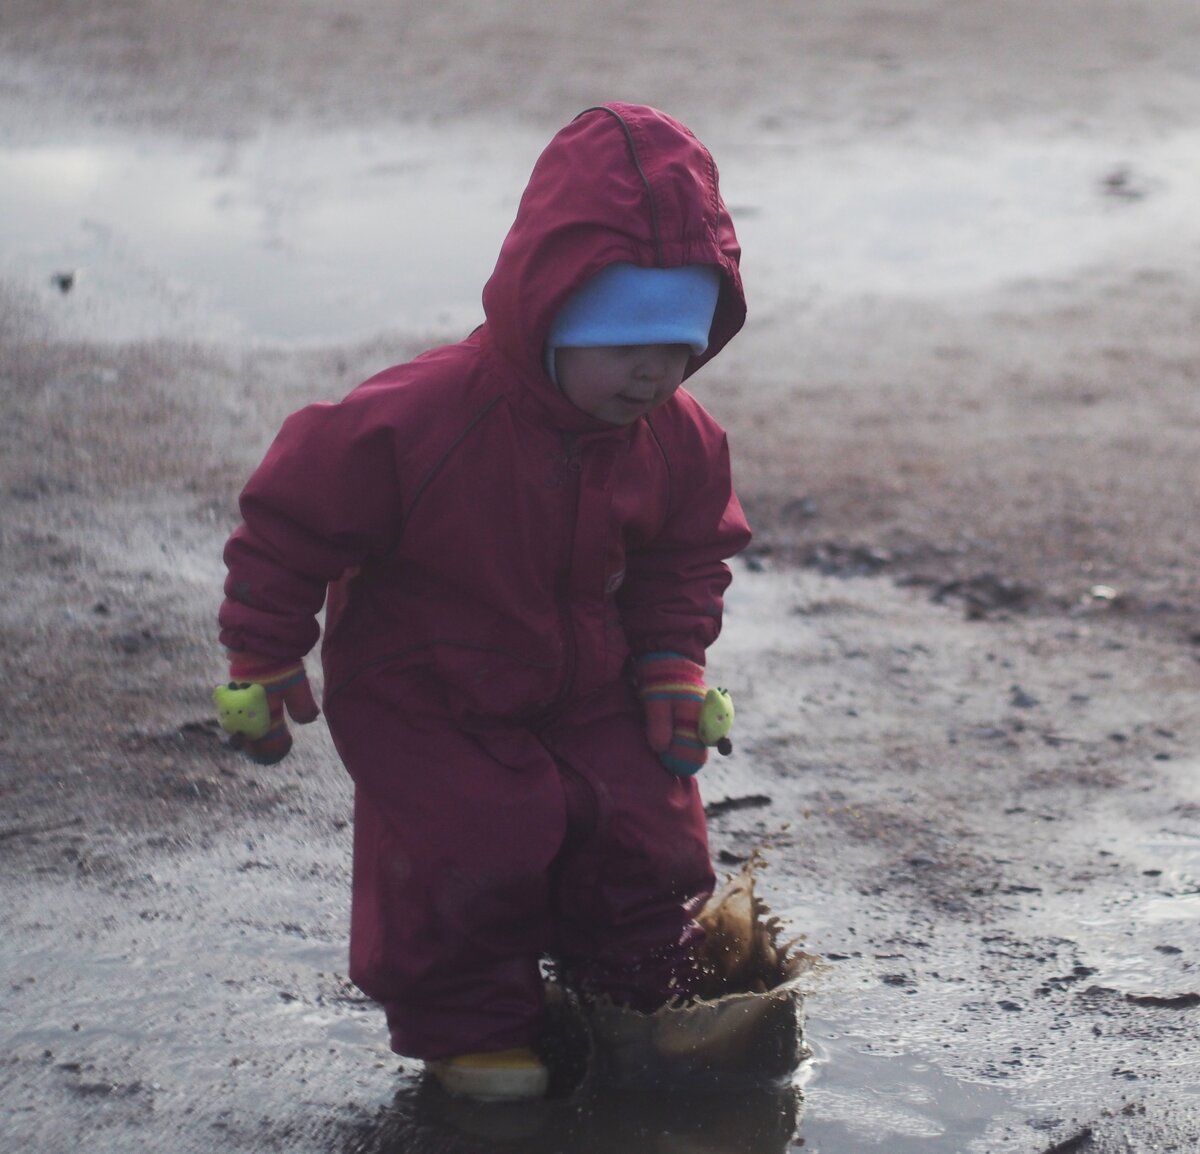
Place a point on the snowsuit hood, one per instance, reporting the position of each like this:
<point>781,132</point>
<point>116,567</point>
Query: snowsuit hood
<point>621,182</point>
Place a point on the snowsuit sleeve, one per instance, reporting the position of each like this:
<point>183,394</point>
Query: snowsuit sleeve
<point>672,597</point>
<point>325,498</point>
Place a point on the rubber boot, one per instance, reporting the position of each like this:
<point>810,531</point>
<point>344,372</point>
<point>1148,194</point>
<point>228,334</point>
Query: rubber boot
<point>497,1076</point>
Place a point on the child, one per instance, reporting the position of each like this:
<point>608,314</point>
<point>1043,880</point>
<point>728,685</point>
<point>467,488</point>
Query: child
<point>520,540</point>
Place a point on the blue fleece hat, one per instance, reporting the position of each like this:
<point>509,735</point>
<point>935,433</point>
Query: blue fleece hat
<point>626,304</point>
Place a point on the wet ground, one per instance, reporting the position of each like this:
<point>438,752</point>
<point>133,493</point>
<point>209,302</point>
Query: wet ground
<point>964,647</point>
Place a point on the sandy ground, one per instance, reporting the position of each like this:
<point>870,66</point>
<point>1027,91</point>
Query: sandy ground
<point>964,646</point>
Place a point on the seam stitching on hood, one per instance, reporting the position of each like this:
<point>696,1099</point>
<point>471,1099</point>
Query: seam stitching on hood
<point>714,222</point>
<point>637,163</point>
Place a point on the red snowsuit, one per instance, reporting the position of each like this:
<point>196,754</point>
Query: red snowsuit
<point>493,556</point>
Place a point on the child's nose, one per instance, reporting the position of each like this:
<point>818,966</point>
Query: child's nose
<point>654,362</point>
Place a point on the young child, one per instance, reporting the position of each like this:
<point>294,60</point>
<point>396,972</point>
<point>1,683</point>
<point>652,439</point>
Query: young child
<point>520,541</point>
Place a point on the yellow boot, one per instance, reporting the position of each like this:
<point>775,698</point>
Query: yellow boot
<point>494,1076</point>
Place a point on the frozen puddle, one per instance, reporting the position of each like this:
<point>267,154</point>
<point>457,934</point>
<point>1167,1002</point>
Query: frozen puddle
<point>296,238</point>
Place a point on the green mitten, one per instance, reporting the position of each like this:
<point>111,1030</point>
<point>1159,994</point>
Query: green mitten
<point>673,690</point>
<point>716,720</point>
<point>251,707</point>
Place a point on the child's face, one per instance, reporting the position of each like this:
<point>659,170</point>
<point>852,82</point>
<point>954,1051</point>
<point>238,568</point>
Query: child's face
<point>620,383</point>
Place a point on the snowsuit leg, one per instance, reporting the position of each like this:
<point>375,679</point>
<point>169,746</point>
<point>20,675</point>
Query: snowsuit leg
<point>453,847</point>
<point>628,885</point>
<point>475,855</point>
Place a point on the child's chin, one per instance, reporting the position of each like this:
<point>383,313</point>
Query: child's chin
<point>625,412</point>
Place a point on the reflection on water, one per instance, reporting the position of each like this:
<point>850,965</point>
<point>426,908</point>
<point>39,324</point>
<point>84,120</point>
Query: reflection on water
<point>293,238</point>
<point>1176,865</point>
<point>851,1100</point>
<point>758,1120</point>
<point>865,1095</point>
<point>1172,908</point>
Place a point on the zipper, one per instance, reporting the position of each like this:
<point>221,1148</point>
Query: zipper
<point>572,462</point>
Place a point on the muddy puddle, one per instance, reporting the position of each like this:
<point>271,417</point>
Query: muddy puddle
<point>897,220</point>
<point>279,238</point>
<point>321,238</point>
<point>200,998</point>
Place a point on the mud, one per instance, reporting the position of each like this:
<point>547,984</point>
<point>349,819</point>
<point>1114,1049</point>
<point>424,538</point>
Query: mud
<point>964,647</point>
